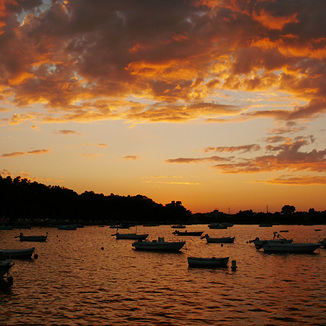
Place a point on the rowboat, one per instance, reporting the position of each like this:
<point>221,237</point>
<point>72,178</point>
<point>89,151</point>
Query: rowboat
<point>18,253</point>
<point>130,236</point>
<point>186,233</point>
<point>304,248</point>
<point>32,238</point>
<point>5,265</point>
<point>159,245</point>
<point>208,262</point>
<point>218,240</point>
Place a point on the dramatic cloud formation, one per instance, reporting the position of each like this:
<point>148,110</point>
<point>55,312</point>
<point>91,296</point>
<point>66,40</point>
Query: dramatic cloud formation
<point>176,54</point>
<point>238,86</point>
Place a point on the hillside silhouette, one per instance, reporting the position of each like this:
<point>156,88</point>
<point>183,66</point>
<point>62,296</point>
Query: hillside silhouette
<point>22,200</point>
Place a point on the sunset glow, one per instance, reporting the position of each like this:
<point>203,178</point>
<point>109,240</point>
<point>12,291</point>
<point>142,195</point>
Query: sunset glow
<point>217,104</point>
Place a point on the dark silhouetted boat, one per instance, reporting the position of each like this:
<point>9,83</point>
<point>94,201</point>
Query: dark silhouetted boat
<point>302,248</point>
<point>32,238</point>
<point>208,262</point>
<point>18,253</point>
<point>186,233</point>
<point>130,236</point>
<point>276,239</point>
<point>71,227</point>
<point>218,240</point>
<point>159,245</point>
<point>179,226</point>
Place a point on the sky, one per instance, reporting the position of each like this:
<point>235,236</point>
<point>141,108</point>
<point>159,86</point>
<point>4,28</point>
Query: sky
<point>218,104</point>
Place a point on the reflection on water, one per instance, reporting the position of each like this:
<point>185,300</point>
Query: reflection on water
<point>88,277</point>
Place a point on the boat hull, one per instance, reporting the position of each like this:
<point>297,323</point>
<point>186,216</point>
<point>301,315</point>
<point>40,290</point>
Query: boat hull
<point>220,240</point>
<point>18,253</point>
<point>67,227</point>
<point>131,236</point>
<point>291,247</point>
<point>159,246</point>
<point>40,238</point>
<point>260,243</point>
<point>208,262</point>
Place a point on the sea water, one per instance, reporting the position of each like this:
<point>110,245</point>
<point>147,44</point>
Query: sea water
<point>87,277</point>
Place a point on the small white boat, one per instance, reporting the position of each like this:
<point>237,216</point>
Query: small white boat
<point>159,245</point>
<point>32,238</point>
<point>276,239</point>
<point>208,262</point>
<point>291,247</point>
<point>218,240</point>
<point>5,265</point>
<point>18,253</point>
<point>130,236</point>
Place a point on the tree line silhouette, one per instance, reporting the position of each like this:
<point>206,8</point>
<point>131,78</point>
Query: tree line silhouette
<point>36,203</point>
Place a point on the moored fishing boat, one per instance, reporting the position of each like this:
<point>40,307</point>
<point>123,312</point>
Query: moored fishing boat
<point>208,262</point>
<point>186,233</point>
<point>130,236</point>
<point>18,253</point>
<point>70,227</point>
<point>303,248</point>
<point>218,240</point>
<point>276,239</point>
<point>32,238</point>
<point>159,245</point>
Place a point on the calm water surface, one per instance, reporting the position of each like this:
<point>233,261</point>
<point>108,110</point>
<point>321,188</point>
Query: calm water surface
<point>87,277</point>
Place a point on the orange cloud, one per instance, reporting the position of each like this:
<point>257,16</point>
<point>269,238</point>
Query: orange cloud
<point>300,180</point>
<point>231,149</point>
<point>274,22</point>
<point>171,55</point>
<point>197,160</point>
<point>34,152</point>
<point>66,132</point>
<point>131,157</point>
<point>288,157</point>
